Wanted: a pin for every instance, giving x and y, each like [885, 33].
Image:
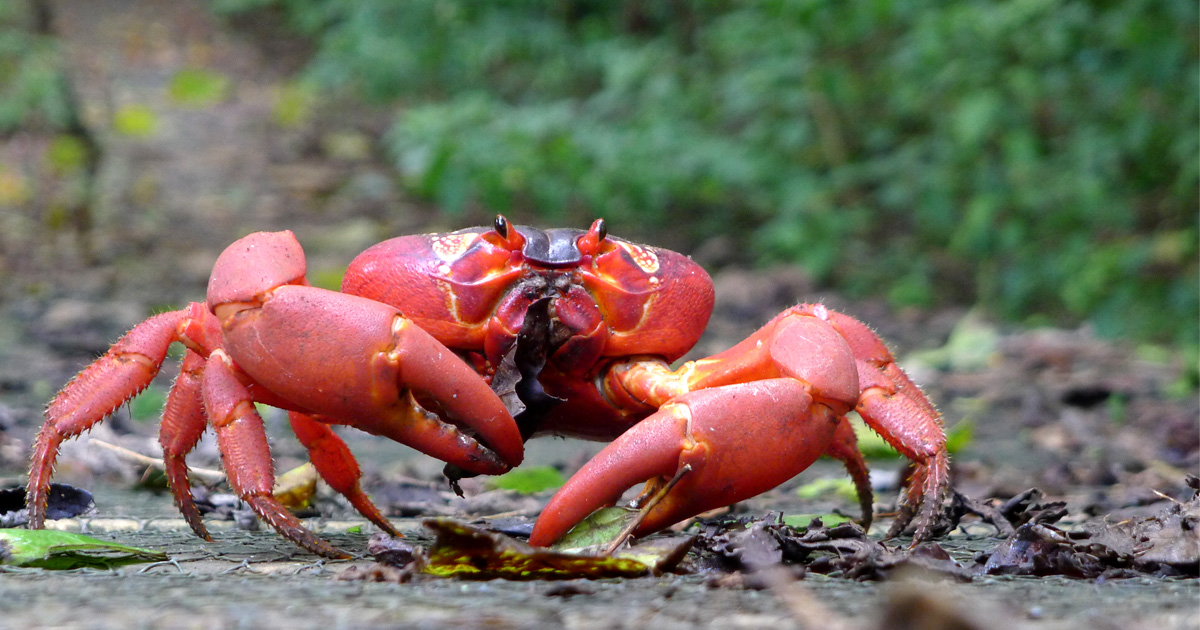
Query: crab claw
[369, 367]
[739, 440]
[353, 360]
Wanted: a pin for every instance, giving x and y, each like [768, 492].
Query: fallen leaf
[597, 531]
[516, 378]
[595, 534]
[468, 552]
[535, 343]
[1164, 544]
[843, 550]
[392, 551]
[50, 549]
[1041, 550]
[804, 520]
[296, 487]
[1167, 543]
[1005, 516]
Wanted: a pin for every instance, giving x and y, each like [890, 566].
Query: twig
[203, 475]
[645, 509]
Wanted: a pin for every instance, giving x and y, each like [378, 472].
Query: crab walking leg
[183, 424]
[740, 441]
[844, 447]
[336, 465]
[894, 407]
[247, 456]
[126, 369]
[900, 422]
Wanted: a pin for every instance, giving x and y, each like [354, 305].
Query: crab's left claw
[739, 440]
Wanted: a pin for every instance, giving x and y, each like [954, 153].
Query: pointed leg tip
[281, 520]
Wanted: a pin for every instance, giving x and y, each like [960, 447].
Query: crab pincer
[738, 440]
[353, 360]
[734, 425]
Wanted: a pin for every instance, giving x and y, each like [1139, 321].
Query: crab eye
[589, 243]
[502, 226]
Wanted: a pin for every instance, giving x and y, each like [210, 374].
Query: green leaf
[971, 347]
[295, 105]
[531, 480]
[596, 531]
[804, 520]
[972, 119]
[67, 153]
[49, 549]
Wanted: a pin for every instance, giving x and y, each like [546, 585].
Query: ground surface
[254, 580]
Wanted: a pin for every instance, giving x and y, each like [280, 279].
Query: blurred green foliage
[197, 87]
[529, 480]
[33, 87]
[1038, 157]
[135, 120]
[148, 405]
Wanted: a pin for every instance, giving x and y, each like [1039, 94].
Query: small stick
[204, 475]
[645, 509]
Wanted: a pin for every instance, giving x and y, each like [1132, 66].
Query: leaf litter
[743, 550]
[468, 551]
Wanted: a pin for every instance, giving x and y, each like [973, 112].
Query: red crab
[437, 340]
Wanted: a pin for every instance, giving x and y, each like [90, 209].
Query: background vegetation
[1040, 158]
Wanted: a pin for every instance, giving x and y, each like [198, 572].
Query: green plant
[33, 88]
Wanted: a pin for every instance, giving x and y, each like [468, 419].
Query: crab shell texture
[608, 299]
